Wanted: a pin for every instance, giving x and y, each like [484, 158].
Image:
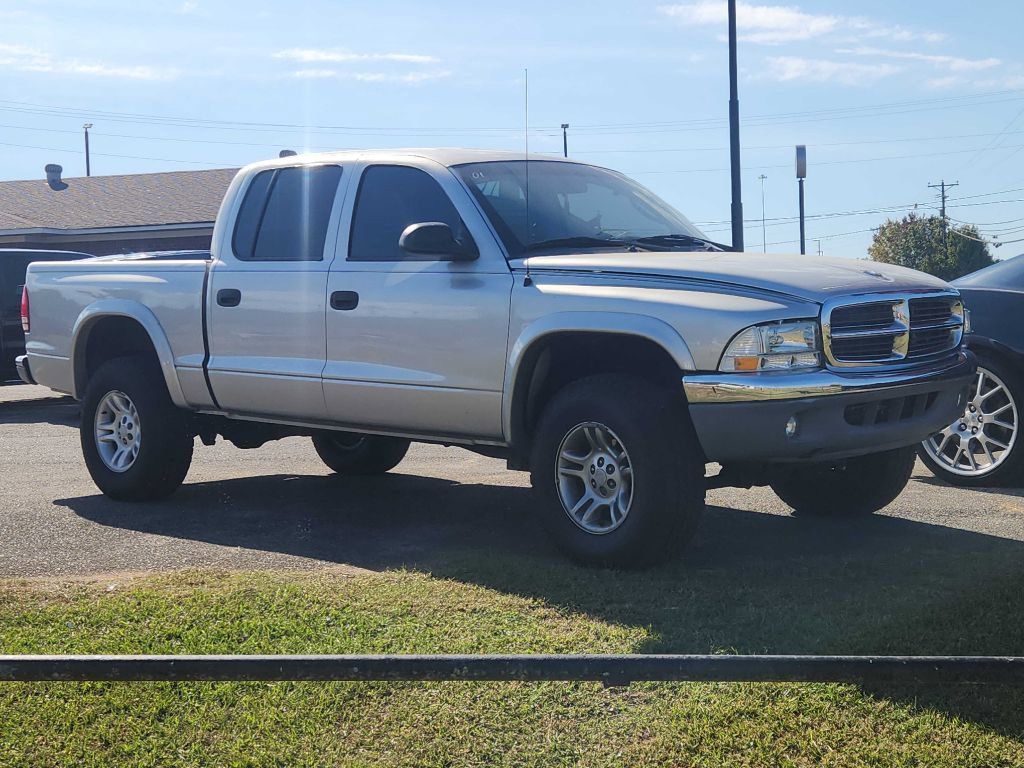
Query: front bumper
[24, 371]
[743, 417]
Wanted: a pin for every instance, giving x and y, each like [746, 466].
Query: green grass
[937, 601]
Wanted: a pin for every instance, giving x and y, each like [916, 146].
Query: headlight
[774, 347]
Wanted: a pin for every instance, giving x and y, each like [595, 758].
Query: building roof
[97, 202]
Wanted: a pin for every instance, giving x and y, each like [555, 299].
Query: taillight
[24, 309]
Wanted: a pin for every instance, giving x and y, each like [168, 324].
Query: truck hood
[811, 278]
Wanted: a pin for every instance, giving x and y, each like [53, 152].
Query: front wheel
[619, 471]
[848, 488]
[349, 453]
[982, 447]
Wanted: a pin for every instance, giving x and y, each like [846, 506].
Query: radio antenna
[526, 145]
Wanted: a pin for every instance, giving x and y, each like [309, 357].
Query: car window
[1002, 274]
[12, 278]
[568, 202]
[391, 197]
[285, 214]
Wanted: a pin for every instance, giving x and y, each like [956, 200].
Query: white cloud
[188, 6]
[408, 78]
[25, 59]
[787, 69]
[946, 82]
[313, 55]
[952, 63]
[779, 24]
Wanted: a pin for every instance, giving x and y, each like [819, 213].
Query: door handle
[229, 297]
[344, 300]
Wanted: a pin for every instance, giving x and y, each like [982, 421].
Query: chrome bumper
[823, 415]
[758, 387]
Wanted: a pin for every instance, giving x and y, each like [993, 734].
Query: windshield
[1002, 274]
[574, 207]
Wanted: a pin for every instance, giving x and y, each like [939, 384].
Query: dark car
[13, 263]
[984, 446]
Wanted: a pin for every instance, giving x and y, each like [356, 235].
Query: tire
[1008, 467]
[657, 505]
[851, 488]
[164, 441]
[349, 453]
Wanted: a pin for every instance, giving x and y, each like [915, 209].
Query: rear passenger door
[267, 295]
[416, 344]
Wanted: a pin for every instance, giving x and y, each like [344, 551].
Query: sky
[888, 97]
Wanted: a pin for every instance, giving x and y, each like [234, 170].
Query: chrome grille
[891, 329]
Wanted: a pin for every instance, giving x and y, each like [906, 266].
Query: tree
[918, 242]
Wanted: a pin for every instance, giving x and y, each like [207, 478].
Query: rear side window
[285, 214]
[12, 277]
[391, 197]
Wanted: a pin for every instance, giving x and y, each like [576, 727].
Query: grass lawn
[963, 599]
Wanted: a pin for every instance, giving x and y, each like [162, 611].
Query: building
[113, 214]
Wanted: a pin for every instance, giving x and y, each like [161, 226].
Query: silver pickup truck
[554, 314]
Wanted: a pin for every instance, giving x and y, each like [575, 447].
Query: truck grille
[892, 329]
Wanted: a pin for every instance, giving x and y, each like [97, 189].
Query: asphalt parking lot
[279, 507]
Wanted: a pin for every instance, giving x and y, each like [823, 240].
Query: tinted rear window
[285, 214]
[1004, 274]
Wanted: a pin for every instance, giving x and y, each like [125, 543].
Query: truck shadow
[58, 410]
[750, 582]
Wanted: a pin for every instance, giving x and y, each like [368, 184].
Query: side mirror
[432, 238]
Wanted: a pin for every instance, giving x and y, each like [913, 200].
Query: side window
[285, 214]
[391, 197]
[12, 278]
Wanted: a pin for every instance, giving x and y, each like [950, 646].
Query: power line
[853, 161]
[755, 147]
[129, 157]
[875, 110]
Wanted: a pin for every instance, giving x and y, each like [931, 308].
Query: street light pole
[86, 127]
[565, 140]
[801, 174]
[803, 231]
[764, 231]
[734, 134]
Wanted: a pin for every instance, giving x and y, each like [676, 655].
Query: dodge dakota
[554, 314]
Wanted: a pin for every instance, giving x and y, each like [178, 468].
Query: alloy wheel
[594, 478]
[981, 439]
[118, 431]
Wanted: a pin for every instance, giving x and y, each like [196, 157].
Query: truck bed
[165, 288]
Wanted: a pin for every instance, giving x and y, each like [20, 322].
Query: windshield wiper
[577, 242]
[680, 239]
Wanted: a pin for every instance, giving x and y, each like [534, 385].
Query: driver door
[415, 344]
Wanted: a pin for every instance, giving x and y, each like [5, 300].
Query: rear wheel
[619, 471]
[982, 447]
[349, 453]
[135, 441]
[848, 488]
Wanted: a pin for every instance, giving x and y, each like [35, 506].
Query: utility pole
[764, 230]
[734, 134]
[819, 247]
[86, 127]
[943, 188]
[565, 140]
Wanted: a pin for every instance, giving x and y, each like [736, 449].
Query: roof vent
[53, 172]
